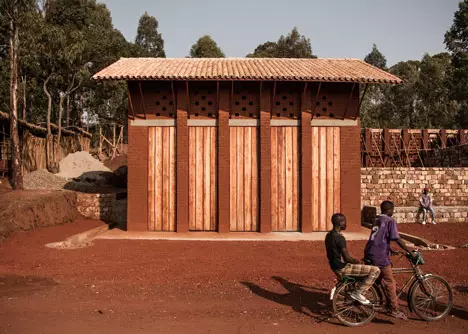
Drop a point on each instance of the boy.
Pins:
(337, 252)
(426, 204)
(378, 249)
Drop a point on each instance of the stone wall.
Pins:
(456, 156)
(106, 207)
(403, 186)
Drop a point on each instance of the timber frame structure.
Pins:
(243, 145)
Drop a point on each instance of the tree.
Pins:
(149, 42)
(294, 45)
(456, 41)
(376, 58)
(206, 47)
(14, 10)
(371, 108)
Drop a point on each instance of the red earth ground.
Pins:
(445, 234)
(129, 286)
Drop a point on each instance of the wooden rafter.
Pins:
(349, 99)
(142, 98)
(360, 101)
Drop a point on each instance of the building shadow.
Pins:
(310, 301)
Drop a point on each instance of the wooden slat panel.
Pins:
(315, 179)
(288, 179)
(161, 179)
(213, 181)
(202, 191)
(172, 173)
(330, 178)
(192, 175)
(158, 179)
(240, 180)
(254, 154)
(336, 169)
(233, 176)
(151, 147)
(274, 178)
(247, 180)
(323, 179)
(199, 180)
(295, 180)
(281, 180)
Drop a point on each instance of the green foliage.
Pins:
(149, 42)
(294, 45)
(206, 47)
(376, 58)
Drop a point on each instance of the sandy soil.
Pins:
(187, 287)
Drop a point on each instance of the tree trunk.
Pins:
(25, 102)
(68, 111)
(62, 97)
(17, 175)
(49, 149)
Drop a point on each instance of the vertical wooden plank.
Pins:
(336, 169)
(207, 179)
(274, 178)
(247, 179)
(330, 179)
(192, 175)
(233, 176)
(254, 154)
(199, 179)
(315, 179)
(240, 179)
(213, 183)
(281, 179)
(151, 179)
(323, 179)
(165, 178)
(158, 179)
(288, 179)
(295, 180)
(172, 190)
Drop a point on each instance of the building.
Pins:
(243, 144)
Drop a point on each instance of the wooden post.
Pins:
(121, 137)
(443, 138)
(113, 141)
(462, 137)
(100, 140)
(425, 139)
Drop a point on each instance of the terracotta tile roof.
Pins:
(281, 69)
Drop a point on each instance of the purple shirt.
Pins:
(378, 247)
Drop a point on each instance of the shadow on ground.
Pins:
(311, 301)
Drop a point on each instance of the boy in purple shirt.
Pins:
(378, 250)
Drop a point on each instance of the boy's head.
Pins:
(387, 208)
(339, 220)
(426, 191)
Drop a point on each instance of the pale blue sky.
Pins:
(402, 29)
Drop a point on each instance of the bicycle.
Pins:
(429, 296)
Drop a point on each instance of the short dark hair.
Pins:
(337, 218)
(386, 205)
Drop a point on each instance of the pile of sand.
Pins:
(42, 179)
(76, 164)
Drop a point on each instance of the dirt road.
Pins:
(187, 287)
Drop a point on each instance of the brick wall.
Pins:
(403, 186)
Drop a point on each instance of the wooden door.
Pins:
(244, 179)
(202, 178)
(161, 179)
(325, 176)
(284, 179)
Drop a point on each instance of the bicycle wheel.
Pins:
(432, 298)
(350, 312)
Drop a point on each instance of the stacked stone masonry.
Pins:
(403, 186)
(105, 207)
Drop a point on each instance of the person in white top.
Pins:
(426, 205)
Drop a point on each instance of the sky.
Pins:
(402, 29)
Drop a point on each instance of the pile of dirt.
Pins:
(42, 179)
(118, 161)
(78, 163)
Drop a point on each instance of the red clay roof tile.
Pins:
(282, 69)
